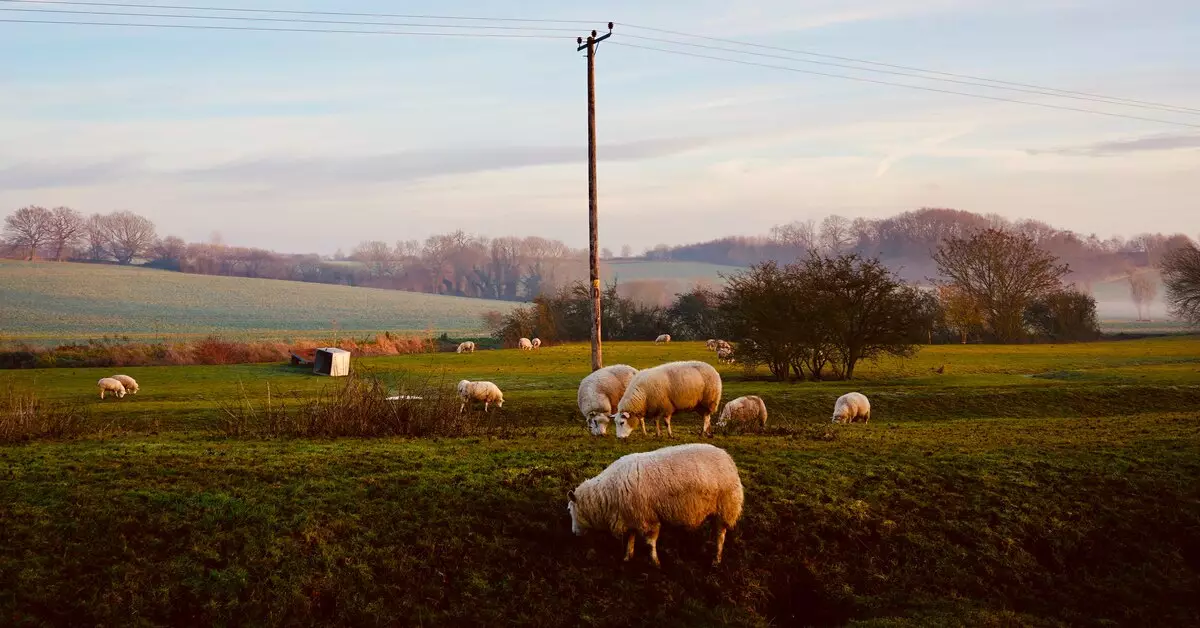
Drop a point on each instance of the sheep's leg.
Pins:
(652, 541)
(630, 540)
(101, 393)
(721, 530)
(644, 432)
(669, 434)
(485, 405)
(867, 418)
(462, 408)
(707, 429)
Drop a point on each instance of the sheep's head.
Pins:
(841, 416)
(500, 402)
(623, 424)
(578, 524)
(597, 423)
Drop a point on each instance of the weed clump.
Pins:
(25, 415)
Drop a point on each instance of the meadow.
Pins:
(90, 301)
(1026, 485)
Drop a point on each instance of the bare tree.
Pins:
(1143, 290)
(169, 251)
(626, 251)
(129, 235)
(66, 228)
(28, 228)
(96, 238)
(961, 311)
(1181, 275)
(800, 233)
(1003, 273)
(378, 257)
(836, 236)
(606, 253)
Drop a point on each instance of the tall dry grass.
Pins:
(25, 415)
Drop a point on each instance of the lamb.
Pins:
(600, 392)
(525, 345)
(850, 407)
(536, 342)
(662, 339)
(108, 384)
(486, 392)
(748, 409)
(725, 355)
(130, 384)
(466, 347)
(680, 485)
(662, 391)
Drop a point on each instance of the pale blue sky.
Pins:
(306, 142)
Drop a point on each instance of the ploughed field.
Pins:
(1026, 485)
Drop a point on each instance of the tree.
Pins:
(761, 309)
(836, 236)
(606, 253)
(1142, 290)
(626, 251)
(378, 257)
(801, 234)
(962, 313)
(66, 228)
(1064, 316)
(1181, 275)
(129, 235)
(694, 315)
(1003, 273)
(28, 228)
(862, 309)
(168, 252)
(96, 238)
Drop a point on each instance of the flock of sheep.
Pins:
(680, 485)
(118, 385)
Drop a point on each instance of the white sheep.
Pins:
(536, 342)
(108, 384)
(600, 392)
(664, 390)
(681, 485)
(525, 345)
(850, 407)
(710, 345)
(662, 339)
(725, 355)
(723, 344)
(466, 347)
(130, 384)
(745, 410)
(486, 392)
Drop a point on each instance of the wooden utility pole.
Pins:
(593, 225)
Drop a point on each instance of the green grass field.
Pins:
(1029, 485)
(62, 302)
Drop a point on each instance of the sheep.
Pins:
(108, 384)
(536, 342)
(681, 485)
(666, 389)
(748, 409)
(130, 384)
(725, 355)
(486, 392)
(850, 407)
(710, 345)
(466, 347)
(600, 392)
(722, 344)
(525, 345)
(663, 339)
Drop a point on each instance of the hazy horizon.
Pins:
(315, 142)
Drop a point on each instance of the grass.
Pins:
(1033, 485)
(93, 300)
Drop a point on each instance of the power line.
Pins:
(897, 66)
(918, 87)
(1038, 91)
(134, 5)
(284, 30)
(282, 19)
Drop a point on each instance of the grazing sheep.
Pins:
(710, 345)
(466, 347)
(666, 389)
(536, 342)
(850, 407)
(662, 339)
(722, 344)
(600, 392)
(525, 345)
(680, 485)
(725, 355)
(748, 409)
(486, 392)
(108, 384)
(130, 384)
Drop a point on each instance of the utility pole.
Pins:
(593, 228)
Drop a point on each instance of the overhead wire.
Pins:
(864, 79)
(219, 27)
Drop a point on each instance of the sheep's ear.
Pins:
(571, 495)
(625, 414)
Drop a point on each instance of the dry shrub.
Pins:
(24, 415)
(358, 407)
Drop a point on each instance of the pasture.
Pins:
(92, 300)
(1027, 485)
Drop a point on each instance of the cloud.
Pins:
(48, 175)
(914, 150)
(1121, 147)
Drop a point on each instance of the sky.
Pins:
(306, 142)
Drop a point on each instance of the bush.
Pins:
(1064, 316)
(24, 415)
